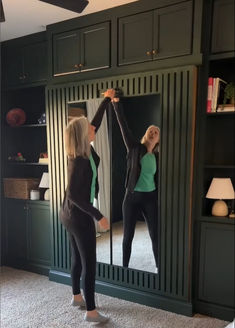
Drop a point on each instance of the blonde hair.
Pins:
(144, 138)
(76, 138)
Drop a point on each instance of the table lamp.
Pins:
(220, 188)
(45, 183)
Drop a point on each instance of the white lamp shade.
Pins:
(45, 181)
(221, 188)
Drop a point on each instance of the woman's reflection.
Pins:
(141, 184)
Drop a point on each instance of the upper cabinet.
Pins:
(223, 36)
(25, 64)
(156, 34)
(81, 50)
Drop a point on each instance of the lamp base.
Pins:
(220, 208)
(47, 195)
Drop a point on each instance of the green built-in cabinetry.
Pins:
(138, 36)
(28, 234)
(156, 34)
(214, 251)
(216, 268)
(26, 223)
(83, 49)
(25, 61)
(223, 34)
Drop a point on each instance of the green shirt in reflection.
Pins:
(146, 182)
(93, 182)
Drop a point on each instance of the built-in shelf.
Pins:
(211, 166)
(220, 113)
(39, 202)
(216, 219)
(28, 126)
(27, 163)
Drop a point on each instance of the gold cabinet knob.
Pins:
(80, 65)
(148, 53)
(154, 52)
(76, 66)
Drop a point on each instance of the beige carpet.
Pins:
(29, 300)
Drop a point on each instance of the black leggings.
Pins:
(134, 205)
(83, 250)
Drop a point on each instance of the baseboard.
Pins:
(36, 268)
(128, 294)
(214, 310)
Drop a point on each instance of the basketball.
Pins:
(15, 117)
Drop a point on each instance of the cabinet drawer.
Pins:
(216, 268)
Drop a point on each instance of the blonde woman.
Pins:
(77, 211)
(141, 184)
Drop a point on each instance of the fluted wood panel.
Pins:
(177, 91)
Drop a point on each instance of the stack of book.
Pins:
(215, 94)
(226, 108)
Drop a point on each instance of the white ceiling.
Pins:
(25, 17)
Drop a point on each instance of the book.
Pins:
(218, 87)
(43, 160)
(209, 94)
(226, 108)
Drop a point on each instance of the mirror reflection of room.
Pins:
(101, 146)
(135, 154)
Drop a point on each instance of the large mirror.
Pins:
(140, 112)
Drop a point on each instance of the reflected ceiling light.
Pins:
(74, 5)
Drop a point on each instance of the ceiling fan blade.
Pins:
(73, 5)
(2, 16)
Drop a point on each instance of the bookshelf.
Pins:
(215, 158)
(29, 139)
(219, 156)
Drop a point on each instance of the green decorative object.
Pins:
(229, 93)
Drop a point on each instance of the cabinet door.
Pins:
(216, 269)
(16, 218)
(95, 46)
(39, 241)
(35, 62)
(173, 31)
(223, 35)
(135, 38)
(13, 66)
(66, 53)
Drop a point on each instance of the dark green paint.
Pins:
(168, 84)
(81, 50)
(28, 235)
(223, 33)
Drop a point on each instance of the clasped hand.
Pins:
(111, 94)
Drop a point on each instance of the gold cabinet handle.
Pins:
(76, 66)
(148, 53)
(154, 52)
(80, 65)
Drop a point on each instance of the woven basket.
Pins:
(19, 187)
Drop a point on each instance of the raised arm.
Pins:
(97, 119)
(127, 136)
(76, 185)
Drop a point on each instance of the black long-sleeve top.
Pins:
(135, 151)
(80, 174)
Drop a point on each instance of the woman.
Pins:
(77, 211)
(141, 184)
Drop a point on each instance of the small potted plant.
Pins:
(229, 93)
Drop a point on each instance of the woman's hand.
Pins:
(115, 99)
(110, 93)
(104, 223)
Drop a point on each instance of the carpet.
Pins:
(30, 300)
